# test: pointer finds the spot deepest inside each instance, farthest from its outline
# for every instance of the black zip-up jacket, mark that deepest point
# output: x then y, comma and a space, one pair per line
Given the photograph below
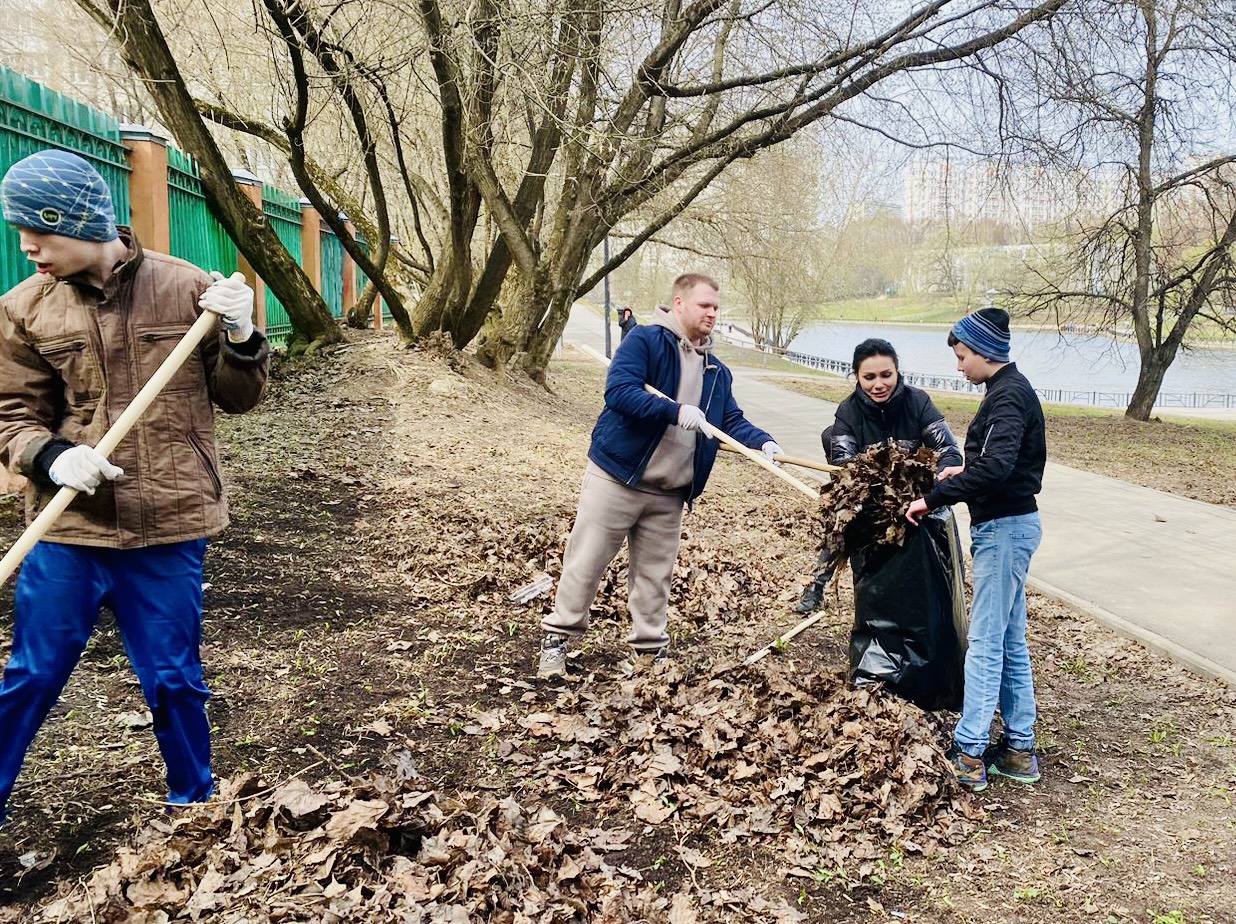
1006, 451
908, 417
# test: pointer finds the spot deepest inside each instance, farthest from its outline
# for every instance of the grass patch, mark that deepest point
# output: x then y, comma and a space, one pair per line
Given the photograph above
755, 359
908, 309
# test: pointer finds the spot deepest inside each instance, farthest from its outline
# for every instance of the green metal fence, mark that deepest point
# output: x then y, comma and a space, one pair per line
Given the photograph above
332, 272
196, 236
283, 212
362, 280
34, 118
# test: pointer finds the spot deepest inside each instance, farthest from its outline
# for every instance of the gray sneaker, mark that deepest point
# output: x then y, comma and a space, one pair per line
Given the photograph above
553, 656
646, 660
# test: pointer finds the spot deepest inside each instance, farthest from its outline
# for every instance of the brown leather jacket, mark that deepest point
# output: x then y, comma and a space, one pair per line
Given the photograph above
72, 358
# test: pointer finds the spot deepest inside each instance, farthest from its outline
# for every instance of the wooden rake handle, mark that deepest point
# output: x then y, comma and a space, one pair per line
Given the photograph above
800, 461
205, 324
756, 457
783, 638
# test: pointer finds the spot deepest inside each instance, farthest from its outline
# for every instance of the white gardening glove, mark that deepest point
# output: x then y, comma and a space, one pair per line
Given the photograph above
232, 300
770, 450
691, 417
83, 468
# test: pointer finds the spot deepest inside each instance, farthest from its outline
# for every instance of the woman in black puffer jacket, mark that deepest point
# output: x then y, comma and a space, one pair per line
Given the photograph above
883, 407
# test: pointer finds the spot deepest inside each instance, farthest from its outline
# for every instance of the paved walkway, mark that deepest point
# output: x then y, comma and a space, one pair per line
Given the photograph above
1156, 567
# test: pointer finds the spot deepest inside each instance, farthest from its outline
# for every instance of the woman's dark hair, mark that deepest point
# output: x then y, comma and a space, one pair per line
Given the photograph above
874, 346
952, 339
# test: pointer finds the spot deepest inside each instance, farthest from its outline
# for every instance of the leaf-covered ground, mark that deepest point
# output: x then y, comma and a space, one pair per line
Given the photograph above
388, 756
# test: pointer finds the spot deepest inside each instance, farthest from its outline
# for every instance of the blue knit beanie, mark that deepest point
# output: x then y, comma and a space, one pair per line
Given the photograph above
56, 192
986, 332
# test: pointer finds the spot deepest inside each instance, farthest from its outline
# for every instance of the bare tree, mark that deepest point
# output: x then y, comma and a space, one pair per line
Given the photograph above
1133, 90
770, 233
555, 125
712, 83
144, 49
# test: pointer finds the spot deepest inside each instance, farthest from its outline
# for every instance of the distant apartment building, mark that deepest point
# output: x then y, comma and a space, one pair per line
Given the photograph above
942, 189
58, 46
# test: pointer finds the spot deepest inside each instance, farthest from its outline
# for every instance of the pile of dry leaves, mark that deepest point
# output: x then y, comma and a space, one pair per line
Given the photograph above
375, 850
866, 501
489, 556
385, 849
840, 775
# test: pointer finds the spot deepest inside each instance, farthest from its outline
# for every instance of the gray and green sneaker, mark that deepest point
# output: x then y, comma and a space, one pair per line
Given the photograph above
971, 772
1015, 764
553, 656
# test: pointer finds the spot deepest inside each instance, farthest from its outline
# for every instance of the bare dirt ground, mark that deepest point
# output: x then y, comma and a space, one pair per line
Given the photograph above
385, 504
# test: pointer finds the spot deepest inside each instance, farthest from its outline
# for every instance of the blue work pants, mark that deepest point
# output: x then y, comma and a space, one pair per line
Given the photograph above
156, 594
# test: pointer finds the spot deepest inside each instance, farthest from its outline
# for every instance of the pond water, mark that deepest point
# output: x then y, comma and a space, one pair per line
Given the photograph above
1050, 360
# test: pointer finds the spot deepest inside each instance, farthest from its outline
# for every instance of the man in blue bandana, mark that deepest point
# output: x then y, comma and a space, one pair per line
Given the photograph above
77, 341
1006, 451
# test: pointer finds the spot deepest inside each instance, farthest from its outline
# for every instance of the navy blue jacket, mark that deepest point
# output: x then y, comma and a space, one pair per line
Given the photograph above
633, 421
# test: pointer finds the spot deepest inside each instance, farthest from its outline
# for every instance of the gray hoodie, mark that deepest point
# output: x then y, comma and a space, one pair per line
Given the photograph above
673, 462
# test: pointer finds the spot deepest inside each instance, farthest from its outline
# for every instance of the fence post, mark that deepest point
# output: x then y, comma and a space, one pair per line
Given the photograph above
150, 210
311, 243
251, 186
349, 271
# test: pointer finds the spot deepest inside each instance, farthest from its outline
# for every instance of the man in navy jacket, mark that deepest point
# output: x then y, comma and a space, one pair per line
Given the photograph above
648, 459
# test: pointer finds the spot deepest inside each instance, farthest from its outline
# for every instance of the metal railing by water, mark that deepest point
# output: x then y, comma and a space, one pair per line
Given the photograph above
958, 383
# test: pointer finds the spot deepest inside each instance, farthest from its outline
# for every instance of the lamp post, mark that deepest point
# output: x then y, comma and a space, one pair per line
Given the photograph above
609, 354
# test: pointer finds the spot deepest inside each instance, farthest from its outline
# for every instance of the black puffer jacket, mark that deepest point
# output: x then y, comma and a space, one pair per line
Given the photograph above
908, 416
1006, 452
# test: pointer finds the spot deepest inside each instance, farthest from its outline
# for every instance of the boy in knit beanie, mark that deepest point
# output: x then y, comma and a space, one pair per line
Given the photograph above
1006, 451
78, 339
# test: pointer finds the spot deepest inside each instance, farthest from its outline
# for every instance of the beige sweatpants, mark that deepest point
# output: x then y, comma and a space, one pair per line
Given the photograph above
608, 513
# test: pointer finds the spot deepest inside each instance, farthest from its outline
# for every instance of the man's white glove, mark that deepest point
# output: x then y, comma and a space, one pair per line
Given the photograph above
771, 449
83, 468
691, 417
232, 300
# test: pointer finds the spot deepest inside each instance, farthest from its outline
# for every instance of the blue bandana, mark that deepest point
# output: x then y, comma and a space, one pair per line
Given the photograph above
986, 332
55, 192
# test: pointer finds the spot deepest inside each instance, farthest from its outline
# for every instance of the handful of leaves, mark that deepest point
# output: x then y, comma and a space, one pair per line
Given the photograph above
866, 502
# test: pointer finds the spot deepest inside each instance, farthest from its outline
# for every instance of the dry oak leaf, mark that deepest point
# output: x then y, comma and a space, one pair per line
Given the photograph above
682, 910
358, 814
649, 806
206, 896
298, 799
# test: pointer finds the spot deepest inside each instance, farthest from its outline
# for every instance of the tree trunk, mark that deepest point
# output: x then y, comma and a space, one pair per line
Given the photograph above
361, 314
553, 308
144, 49
1154, 365
507, 329
540, 346
445, 296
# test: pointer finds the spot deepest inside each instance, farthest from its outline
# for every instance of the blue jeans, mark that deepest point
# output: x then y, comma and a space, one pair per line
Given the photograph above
156, 594
998, 658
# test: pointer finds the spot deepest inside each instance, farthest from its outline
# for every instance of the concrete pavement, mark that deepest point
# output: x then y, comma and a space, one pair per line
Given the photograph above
1153, 566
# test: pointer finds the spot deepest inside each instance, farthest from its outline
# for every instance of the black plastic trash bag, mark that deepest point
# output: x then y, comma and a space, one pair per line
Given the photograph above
910, 620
